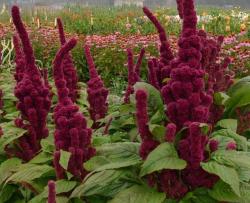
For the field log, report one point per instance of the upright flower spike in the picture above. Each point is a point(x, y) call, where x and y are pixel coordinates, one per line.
point(33, 98)
point(69, 69)
point(19, 59)
point(180, 8)
point(72, 134)
point(133, 73)
point(51, 192)
point(97, 93)
point(148, 143)
point(165, 50)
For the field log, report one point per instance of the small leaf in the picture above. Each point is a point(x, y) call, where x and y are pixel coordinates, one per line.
point(139, 194)
point(163, 157)
point(228, 124)
point(158, 132)
point(64, 159)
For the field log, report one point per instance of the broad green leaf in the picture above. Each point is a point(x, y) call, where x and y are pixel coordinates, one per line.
point(239, 96)
point(163, 157)
point(105, 183)
point(139, 194)
point(240, 140)
point(155, 102)
point(64, 159)
point(228, 124)
point(10, 133)
point(7, 168)
point(223, 192)
point(223, 141)
point(41, 158)
point(158, 117)
point(227, 174)
point(48, 145)
point(29, 173)
point(114, 156)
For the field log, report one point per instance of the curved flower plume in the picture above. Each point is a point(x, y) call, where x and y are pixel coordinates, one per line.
point(51, 192)
point(70, 73)
point(97, 93)
point(133, 73)
point(165, 50)
point(148, 143)
point(72, 134)
point(33, 98)
point(19, 59)
point(180, 8)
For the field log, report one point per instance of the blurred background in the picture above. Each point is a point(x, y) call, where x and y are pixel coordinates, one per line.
point(151, 3)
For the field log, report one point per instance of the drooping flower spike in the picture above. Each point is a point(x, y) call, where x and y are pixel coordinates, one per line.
point(70, 72)
point(33, 96)
point(133, 73)
point(72, 134)
point(97, 93)
point(51, 192)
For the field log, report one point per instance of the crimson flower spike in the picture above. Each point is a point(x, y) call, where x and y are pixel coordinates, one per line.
point(70, 73)
point(139, 62)
point(180, 8)
point(165, 50)
point(27, 48)
point(97, 93)
point(19, 59)
point(51, 192)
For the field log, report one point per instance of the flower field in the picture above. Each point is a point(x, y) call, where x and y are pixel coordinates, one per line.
point(125, 105)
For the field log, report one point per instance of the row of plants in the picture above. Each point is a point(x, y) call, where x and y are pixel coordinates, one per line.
point(131, 20)
point(181, 135)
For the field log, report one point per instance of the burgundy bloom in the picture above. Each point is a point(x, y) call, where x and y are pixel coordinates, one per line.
point(51, 192)
point(148, 143)
point(72, 134)
point(70, 73)
point(133, 73)
point(213, 145)
point(32, 93)
point(97, 93)
point(171, 132)
point(231, 146)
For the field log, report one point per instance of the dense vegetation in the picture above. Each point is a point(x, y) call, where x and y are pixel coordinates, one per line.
point(177, 131)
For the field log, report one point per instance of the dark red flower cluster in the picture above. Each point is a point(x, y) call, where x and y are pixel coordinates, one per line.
point(51, 192)
point(188, 103)
point(148, 142)
point(70, 73)
point(19, 59)
point(72, 134)
point(180, 8)
point(133, 73)
point(33, 96)
point(97, 93)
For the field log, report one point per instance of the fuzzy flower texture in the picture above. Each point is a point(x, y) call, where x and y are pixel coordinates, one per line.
point(97, 93)
point(32, 93)
point(189, 101)
point(72, 134)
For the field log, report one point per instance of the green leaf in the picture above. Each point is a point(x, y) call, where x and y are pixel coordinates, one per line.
point(228, 124)
point(158, 132)
point(239, 96)
point(48, 145)
point(114, 156)
point(7, 192)
point(155, 102)
point(163, 157)
point(220, 98)
point(41, 158)
point(64, 159)
point(10, 133)
point(223, 141)
point(105, 183)
point(139, 194)
point(240, 140)
point(223, 192)
point(158, 117)
point(227, 174)
point(29, 173)
point(7, 168)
